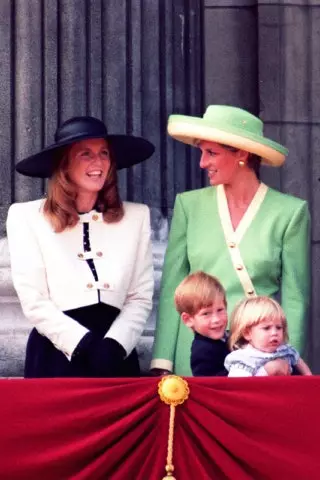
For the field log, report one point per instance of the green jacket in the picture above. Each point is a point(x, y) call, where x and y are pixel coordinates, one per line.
point(274, 248)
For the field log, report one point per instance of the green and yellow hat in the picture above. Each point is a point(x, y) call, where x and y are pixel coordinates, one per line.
point(230, 126)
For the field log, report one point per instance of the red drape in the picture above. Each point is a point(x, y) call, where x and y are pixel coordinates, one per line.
point(90, 429)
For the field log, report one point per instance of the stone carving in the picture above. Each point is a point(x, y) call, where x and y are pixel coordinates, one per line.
point(14, 328)
point(159, 225)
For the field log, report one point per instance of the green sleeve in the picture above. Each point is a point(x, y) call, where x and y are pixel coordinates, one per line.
point(176, 268)
point(295, 281)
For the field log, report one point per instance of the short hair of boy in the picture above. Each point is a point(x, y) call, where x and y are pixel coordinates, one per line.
point(250, 312)
point(198, 290)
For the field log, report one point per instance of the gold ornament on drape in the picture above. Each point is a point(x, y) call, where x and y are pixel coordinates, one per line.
point(173, 391)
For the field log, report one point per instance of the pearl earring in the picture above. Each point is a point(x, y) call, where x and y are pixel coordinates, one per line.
point(241, 163)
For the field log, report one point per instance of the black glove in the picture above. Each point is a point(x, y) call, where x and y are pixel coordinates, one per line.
point(101, 357)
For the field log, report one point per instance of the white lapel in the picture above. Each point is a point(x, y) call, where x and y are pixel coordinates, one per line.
point(247, 218)
point(233, 237)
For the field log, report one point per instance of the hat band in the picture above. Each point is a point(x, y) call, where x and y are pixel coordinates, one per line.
point(75, 136)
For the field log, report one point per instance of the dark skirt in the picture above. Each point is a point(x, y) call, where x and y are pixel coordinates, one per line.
point(44, 360)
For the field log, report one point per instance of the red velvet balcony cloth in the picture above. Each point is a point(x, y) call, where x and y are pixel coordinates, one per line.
point(117, 429)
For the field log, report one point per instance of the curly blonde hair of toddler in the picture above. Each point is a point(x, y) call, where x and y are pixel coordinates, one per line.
point(250, 312)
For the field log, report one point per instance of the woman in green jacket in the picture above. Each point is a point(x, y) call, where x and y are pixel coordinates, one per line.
point(253, 238)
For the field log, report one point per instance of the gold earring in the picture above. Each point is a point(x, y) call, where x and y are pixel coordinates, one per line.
point(241, 163)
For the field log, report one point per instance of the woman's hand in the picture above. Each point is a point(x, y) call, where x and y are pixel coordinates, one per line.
point(100, 357)
point(158, 372)
point(277, 367)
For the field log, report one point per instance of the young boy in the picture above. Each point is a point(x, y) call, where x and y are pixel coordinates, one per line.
point(201, 302)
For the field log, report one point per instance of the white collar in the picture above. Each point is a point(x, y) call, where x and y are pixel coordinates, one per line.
point(92, 216)
point(224, 213)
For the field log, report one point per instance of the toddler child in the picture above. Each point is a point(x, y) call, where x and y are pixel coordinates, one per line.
point(258, 335)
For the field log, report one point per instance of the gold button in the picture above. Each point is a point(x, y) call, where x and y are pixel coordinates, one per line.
point(250, 292)
point(106, 285)
point(99, 254)
point(239, 267)
point(95, 217)
point(89, 285)
point(232, 244)
point(80, 255)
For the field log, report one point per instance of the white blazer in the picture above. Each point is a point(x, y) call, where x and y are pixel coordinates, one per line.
point(51, 275)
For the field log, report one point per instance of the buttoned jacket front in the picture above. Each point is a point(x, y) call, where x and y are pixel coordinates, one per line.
point(51, 275)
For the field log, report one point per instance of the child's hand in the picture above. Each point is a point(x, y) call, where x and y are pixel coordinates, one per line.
point(277, 367)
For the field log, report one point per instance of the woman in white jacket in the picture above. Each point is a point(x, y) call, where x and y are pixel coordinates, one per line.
point(81, 258)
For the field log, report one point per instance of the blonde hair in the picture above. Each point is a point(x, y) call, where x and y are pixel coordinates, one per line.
point(250, 312)
point(198, 290)
point(60, 204)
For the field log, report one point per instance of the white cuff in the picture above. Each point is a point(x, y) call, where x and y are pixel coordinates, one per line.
point(162, 363)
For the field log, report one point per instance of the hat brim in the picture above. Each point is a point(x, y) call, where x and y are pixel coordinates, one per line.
point(127, 150)
point(191, 130)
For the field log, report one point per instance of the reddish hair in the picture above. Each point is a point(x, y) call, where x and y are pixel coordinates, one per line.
point(198, 290)
point(60, 204)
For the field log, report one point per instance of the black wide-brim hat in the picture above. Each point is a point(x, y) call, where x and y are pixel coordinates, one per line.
point(127, 150)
